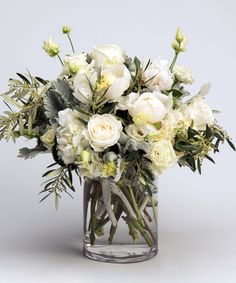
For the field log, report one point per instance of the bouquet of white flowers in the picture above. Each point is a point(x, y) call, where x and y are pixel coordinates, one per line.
point(117, 122)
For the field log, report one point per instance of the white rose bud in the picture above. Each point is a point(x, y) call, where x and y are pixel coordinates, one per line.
point(103, 131)
point(162, 156)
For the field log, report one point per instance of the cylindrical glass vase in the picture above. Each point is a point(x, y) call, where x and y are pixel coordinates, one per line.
point(120, 223)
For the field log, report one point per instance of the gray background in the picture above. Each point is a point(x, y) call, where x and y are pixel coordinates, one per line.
point(196, 213)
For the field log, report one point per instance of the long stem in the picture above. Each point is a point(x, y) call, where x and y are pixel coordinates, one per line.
point(71, 43)
point(174, 61)
point(58, 56)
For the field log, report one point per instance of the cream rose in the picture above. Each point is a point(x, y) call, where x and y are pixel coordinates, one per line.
point(162, 156)
point(151, 105)
point(109, 54)
point(103, 131)
point(183, 74)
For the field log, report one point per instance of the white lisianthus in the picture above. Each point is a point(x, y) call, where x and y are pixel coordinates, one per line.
point(125, 101)
point(183, 74)
point(82, 86)
point(162, 156)
point(137, 133)
point(151, 105)
point(157, 74)
point(50, 47)
point(199, 112)
point(103, 131)
point(77, 64)
point(69, 135)
point(117, 79)
point(109, 54)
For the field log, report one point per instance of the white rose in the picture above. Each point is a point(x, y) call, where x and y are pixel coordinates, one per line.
point(200, 112)
point(82, 86)
point(152, 105)
point(162, 156)
point(108, 55)
point(157, 74)
point(103, 131)
point(117, 79)
point(183, 74)
point(69, 136)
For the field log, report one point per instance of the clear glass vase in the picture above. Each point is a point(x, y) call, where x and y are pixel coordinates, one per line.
point(120, 224)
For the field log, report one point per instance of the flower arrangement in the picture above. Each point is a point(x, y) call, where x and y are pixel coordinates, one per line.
point(114, 120)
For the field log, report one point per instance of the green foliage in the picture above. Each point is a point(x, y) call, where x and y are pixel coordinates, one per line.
point(58, 180)
point(196, 145)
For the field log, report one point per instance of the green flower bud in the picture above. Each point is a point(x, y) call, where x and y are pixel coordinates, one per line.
point(179, 36)
point(85, 156)
point(50, 47)
point(66, 29)
point(48, 138)
point(109, 169)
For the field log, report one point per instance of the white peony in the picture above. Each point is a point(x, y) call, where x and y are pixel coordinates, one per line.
point(117, 79)
point(157, 75)
point(103, 131)
point(109, 54)
point(151, 105)
point(183, 74)
point(83, 84)
point(69, 135)
point(199, 112)
point(162, 156)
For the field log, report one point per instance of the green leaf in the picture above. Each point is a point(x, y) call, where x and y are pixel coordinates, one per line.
point(230, 144)
point(23, 78)
point(199, 166)
point(209, 158)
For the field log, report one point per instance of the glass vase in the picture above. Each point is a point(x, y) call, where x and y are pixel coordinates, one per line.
point(120, 223)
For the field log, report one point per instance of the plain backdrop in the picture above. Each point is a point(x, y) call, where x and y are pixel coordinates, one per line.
point(197, 226)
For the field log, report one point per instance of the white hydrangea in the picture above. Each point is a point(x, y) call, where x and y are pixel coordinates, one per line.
point(69, 135)
point(157, 75)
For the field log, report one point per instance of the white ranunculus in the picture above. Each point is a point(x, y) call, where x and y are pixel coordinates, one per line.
point(109, 54)
point(103, 131)
point(69, 135)
point(183, 74)
point(77, 64)
point(117, 78)
point(157, 74)
point(82, 86)
point(152, 105)
point(162, 156)
point(199, 112)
